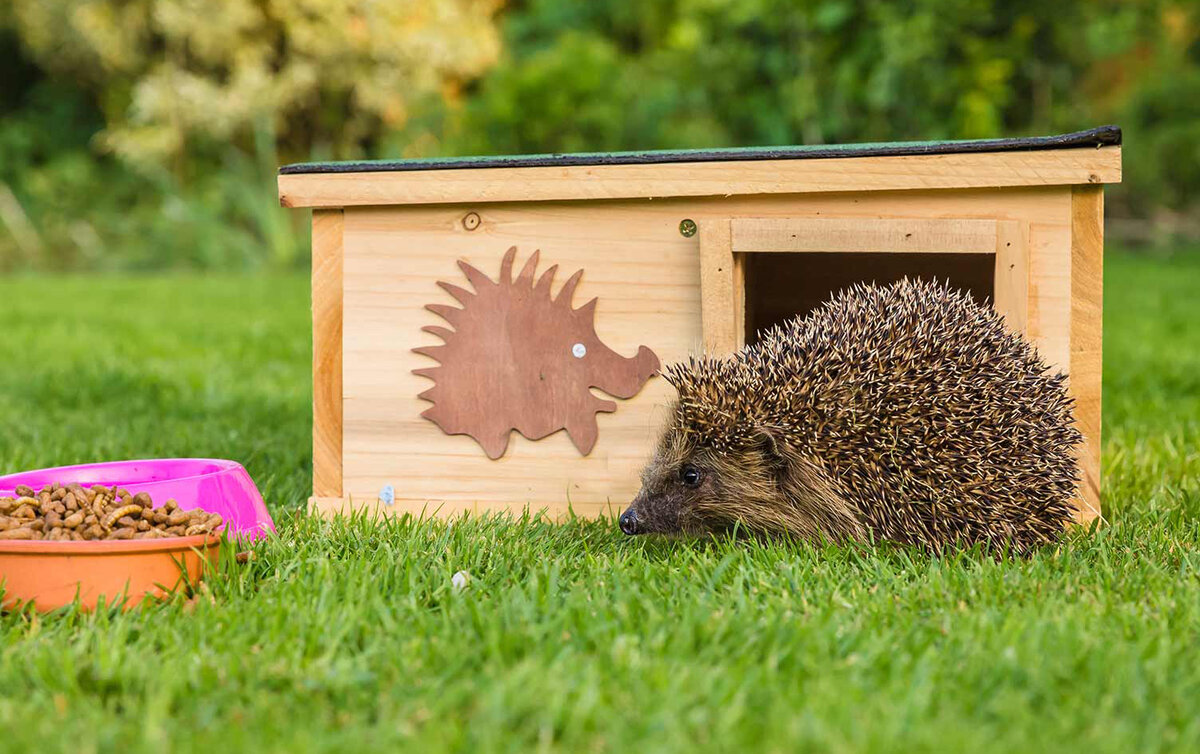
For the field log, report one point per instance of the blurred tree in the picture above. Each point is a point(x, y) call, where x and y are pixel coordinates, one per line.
point(1153, 90)
point(143, 133)
point(175, 77)
point(609, 74)
point(709, 72)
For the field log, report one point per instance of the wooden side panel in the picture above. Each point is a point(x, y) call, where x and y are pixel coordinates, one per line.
point(1012, 274)
point(327, 254)
point(1049, 324)
point(1087, 308)
point(1055, 167)
point(647, 278)
point(721, 286)
point(835, 234)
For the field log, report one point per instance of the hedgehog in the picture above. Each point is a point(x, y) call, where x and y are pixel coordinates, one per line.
point(906, 413)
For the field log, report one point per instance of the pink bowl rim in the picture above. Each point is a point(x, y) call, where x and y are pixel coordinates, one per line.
point(107, 546)
point(225, 463)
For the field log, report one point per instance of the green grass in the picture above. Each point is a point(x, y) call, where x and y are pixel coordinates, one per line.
point(349, 636)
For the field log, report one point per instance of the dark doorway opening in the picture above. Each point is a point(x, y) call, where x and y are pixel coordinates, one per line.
point(780, 286)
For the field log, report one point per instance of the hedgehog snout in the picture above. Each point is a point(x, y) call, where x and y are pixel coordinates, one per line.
point(629, 521)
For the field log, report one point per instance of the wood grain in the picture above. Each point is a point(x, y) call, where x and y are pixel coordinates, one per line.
point(834, 234)
point(719, 289)
point(1011, 286)
point(647, 277)
point(1059, 167)
point(327, 254)
point(519, 359)
point(1087, 312)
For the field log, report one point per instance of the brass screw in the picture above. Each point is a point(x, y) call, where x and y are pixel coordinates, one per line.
point(687, 228)
point(471, 220)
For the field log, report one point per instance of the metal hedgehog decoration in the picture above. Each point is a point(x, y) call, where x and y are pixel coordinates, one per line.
point(521, 359)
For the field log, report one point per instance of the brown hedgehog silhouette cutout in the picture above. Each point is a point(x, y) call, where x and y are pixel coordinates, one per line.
point(521, 359)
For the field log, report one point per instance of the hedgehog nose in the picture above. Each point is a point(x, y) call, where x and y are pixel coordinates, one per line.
point(629, 522)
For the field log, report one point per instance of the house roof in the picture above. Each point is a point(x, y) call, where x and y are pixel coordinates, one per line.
point(1094, 137)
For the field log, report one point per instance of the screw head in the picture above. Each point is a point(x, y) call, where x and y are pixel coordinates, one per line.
point(471, 220)
point(687, 228)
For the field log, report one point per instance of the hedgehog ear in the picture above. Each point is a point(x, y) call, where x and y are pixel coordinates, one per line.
point(771, 440)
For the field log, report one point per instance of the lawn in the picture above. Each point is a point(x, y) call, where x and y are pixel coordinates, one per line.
point(350, 636)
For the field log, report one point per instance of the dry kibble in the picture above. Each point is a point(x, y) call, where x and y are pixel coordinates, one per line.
point(71, 513)
point(24, 490)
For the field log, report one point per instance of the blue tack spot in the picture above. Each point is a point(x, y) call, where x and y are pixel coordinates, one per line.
point(388, 494)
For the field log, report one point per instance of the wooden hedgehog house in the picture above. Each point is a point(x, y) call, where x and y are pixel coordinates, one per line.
point(486, 331)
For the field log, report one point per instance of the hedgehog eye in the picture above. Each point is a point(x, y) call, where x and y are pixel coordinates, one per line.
point(689, 475)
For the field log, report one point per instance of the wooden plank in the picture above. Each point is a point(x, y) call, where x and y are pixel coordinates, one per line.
point(475, 186)
point(327, 256)
point(647, 277)
point(739, 301)
point(1087, 310)
point(720, 289)
point(1012, 274)
point(839, 234)
point(329, 507)
point(1049, 323)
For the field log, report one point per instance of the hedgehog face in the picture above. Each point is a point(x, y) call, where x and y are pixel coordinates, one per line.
point(760, 485)
point(692, 489)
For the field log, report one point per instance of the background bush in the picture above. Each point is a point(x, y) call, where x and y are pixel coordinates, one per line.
point(141, 134)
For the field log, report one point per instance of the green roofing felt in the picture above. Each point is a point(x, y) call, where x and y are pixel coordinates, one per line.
point(1095, 137)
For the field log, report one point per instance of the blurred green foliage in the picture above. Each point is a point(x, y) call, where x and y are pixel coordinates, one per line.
point(95, 170)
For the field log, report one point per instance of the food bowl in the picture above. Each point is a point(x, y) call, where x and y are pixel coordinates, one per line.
point(51, 574)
